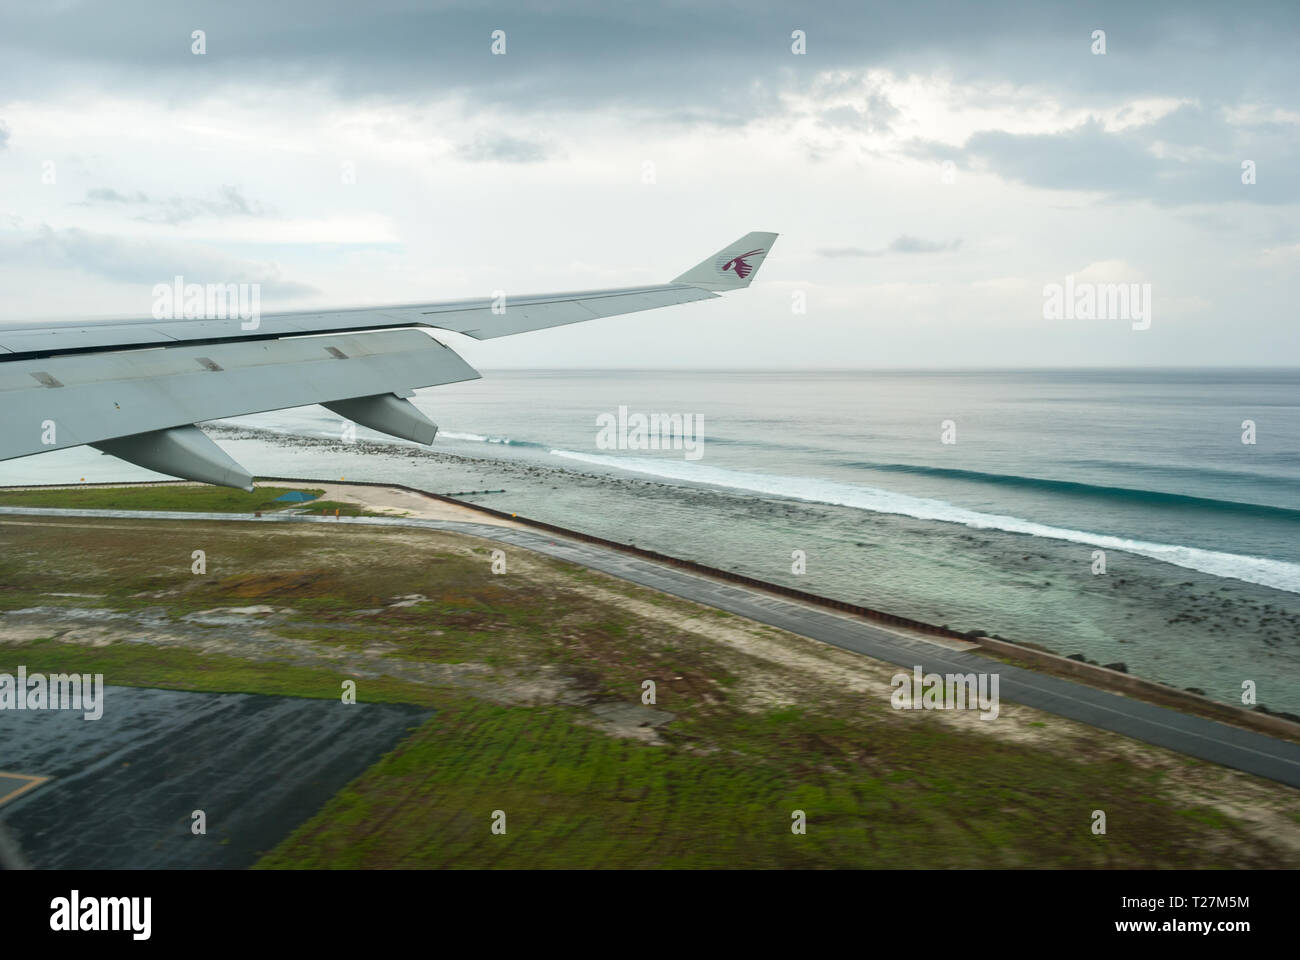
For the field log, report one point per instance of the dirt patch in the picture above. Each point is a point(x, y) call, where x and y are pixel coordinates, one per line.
point(304, 583)
point(632, 721)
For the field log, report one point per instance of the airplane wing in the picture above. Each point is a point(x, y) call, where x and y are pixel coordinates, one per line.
point(137, 388)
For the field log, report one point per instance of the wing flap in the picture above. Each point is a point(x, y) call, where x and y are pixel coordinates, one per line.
point(64, 401)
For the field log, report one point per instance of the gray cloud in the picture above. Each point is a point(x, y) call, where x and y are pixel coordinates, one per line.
point(503, 149)
point(1190, 156)
point(230, 202)
point(720, 62)
point(4, 135)
point(143, 261)
point(909, 244)
point(876, 115)
point(109, 195)
point(904, 243)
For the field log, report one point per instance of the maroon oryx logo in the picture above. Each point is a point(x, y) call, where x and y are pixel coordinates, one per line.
point(739, 264)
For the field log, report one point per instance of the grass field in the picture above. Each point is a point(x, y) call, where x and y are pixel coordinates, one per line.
point(536, 676)
point(193, 499)
point(201, 499)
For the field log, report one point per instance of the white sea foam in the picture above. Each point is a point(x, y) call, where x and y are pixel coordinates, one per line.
point(1270, 573)
point(476, 437)
point(452, 435)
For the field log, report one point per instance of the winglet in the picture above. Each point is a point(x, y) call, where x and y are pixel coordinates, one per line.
point(732, 267)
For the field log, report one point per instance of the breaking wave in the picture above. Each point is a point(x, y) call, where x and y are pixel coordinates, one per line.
point(1278, 574)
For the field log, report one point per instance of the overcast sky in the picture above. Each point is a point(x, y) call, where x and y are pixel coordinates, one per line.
point(930, 168)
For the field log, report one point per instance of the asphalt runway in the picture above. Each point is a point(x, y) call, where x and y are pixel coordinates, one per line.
point(122, 789)
point(1220, 743)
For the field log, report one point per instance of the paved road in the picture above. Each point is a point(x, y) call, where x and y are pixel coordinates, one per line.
point(1255, 753)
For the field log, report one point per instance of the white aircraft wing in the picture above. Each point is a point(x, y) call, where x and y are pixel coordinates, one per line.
point(137, 388)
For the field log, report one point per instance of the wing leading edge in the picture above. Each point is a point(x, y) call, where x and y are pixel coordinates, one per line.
point(732, 267)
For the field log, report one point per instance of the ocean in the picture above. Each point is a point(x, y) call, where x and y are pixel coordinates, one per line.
point(1115, 514)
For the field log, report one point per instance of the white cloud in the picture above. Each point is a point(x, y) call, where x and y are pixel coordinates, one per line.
point(1109, 271)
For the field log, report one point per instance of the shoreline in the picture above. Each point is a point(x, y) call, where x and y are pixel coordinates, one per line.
point(382, 497)
point(1186, 629)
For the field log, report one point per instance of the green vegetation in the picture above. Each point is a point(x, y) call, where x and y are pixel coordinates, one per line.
point(196, 499)
point(518, 668)
point(328, 508)
point(575, 798)
point(142, 665)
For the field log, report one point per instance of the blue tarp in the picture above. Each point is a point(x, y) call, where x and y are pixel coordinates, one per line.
point(295, 496)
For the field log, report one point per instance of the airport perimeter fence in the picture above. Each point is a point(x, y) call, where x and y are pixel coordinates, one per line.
point(804, 596)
